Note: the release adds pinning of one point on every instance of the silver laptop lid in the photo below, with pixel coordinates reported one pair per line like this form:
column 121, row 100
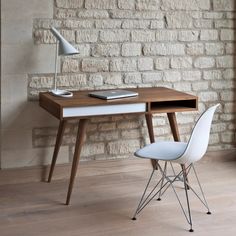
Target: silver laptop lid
column 113, row 94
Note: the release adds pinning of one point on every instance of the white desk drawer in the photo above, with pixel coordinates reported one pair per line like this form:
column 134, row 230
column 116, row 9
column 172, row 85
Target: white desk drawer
column 104, row 110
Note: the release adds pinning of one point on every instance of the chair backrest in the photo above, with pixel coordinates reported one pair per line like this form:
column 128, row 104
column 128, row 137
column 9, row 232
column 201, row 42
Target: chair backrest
column 198, row 142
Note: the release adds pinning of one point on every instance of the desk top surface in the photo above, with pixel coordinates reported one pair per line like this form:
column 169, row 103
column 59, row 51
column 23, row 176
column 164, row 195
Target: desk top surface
column 82, row 98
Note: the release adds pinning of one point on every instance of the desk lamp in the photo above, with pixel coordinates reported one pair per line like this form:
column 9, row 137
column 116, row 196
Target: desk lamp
column 65, row 48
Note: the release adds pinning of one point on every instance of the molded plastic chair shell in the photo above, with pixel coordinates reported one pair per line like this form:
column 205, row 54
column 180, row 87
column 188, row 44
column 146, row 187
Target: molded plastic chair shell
column 180, row 152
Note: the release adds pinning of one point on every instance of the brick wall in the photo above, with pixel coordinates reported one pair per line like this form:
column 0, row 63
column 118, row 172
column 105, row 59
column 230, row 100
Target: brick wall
column 187, row 45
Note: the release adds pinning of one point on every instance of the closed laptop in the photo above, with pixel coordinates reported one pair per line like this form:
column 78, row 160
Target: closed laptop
column 113, row 94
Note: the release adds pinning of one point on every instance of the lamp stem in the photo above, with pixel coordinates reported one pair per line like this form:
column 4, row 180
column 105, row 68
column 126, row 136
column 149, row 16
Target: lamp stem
column 55, row 75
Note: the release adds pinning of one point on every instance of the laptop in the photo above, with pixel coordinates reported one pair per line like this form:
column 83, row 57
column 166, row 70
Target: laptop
column 113, row 94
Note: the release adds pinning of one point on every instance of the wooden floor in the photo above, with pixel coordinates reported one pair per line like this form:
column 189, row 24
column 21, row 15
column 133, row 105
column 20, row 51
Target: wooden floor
column 103, row 206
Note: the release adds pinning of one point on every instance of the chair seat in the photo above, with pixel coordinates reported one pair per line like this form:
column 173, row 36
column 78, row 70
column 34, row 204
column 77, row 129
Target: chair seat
column 166, row 151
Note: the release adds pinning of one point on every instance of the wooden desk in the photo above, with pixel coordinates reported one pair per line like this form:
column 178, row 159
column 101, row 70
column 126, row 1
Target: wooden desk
column 82, row 106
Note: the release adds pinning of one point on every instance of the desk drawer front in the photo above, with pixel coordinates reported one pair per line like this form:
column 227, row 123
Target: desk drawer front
column 103, row 110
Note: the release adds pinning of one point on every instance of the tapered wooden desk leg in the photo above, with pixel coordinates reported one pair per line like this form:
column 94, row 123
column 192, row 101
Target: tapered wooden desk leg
column 60, row 133
column 175, row 133
column 151, row 134
column 174, row 126
column 78, row 147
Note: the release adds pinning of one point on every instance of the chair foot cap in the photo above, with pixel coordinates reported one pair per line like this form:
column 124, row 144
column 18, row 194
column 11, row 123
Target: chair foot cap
column 191, row 230
column 208, row 213
column 158, row 199
column 134, row 218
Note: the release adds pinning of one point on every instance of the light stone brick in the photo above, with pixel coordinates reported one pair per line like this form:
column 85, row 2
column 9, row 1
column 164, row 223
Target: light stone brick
column 212, row 15
column 69, row 35
column 157, row 121
column 212, row 75
column 70, row 65
column 208, row 35
column 229, row 84
column 86, row 36
column 172, row 76
column 145, row 63
column 147, row 4
column 227, row 96
column 179, row 20
column 191, row 75
column 104, row 136
column 230, row 48
column 185, row 5
column 227, row 35
column 143, row 15
column 95, row 80
column 92, row 149
column 185, row 119
column 84, row 50
column 131, row 49
column 214, row 48
column 126, row 5
column 106, row 50
column 43, row 36
column 218, row 127
column 46, row 23
column 195, row 48
column 95, row 65
column 151, row 77
column 112, row 79
column 203, row 23
column 156, row 49
column 162, row 63
column 108, row 24
column 114, row 35
column 182, row 86
column 65, row 13
column 131, row 134
column 204, row 62
column 227, row 117
column 188, row 35
column 69, row 3
column 157, row 24
column 166, row 35
column 128, row 124
column 231, row 15
column 229, row 74
column 123, row 146
column 228, row 137
column 209, row 96
column 107, row 126
column 135, row 24
column 75, row 24
column 133, row 78
column 230, row 107
column 214, row 139
column 40, row 82
column 223, row 5
column 142, row 36
column 123, row 64
column 73, row 81
column 94, row 14
column 225, row 62
column 181, row 62
column 200, row 86
column 100, row 4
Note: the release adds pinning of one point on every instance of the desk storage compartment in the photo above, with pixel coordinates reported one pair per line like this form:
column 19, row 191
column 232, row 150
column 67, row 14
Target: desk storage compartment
column 173, row 106
column 104, row 110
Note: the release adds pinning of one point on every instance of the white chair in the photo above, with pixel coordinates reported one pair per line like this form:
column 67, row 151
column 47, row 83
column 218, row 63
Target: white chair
column 185, row 154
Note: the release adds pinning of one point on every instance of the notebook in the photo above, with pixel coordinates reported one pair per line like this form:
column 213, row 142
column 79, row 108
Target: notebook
column 113, row 94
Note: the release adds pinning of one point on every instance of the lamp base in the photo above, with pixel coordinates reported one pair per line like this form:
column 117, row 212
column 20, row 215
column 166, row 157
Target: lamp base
column 61, row 93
